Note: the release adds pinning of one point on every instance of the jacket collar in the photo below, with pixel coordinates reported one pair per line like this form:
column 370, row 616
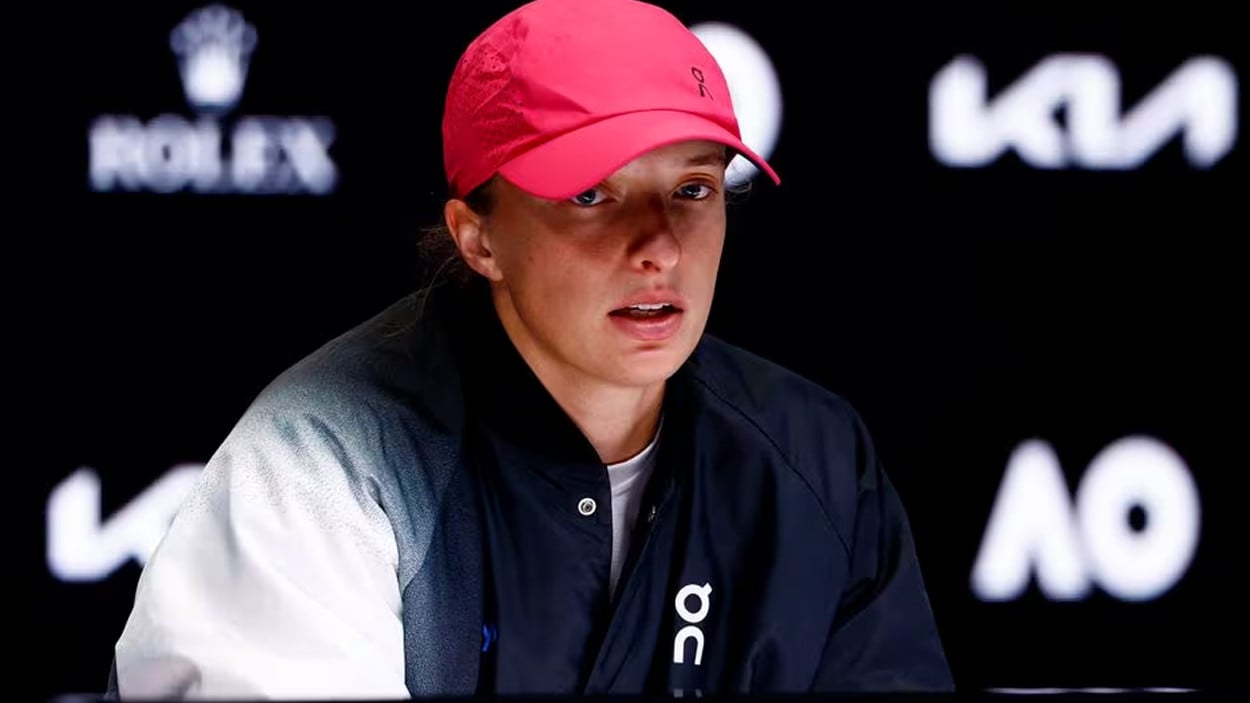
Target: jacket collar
column 502, row 390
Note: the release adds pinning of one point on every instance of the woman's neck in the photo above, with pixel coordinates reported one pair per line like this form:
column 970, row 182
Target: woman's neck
column 619, row 423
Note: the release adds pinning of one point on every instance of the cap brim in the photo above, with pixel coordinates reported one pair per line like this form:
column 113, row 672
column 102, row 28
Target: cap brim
column 577, row 161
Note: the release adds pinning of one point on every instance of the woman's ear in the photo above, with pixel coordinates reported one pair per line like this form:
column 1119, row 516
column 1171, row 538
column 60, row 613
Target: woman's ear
column 472, row 237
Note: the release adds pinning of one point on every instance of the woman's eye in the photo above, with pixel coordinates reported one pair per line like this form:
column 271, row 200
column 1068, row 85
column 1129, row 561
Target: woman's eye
column 695, row 191
column 588, row 198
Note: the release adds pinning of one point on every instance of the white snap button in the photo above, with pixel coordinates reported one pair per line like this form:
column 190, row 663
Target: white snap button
column 586, row 506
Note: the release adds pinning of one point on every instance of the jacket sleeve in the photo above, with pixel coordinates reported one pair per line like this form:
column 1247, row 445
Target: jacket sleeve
column 884, row 637
column 276, row 579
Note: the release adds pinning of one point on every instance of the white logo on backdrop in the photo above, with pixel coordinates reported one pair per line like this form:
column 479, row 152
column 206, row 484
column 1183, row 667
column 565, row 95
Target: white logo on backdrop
column 204, row 153
column 754, row 90
column 1035, row 530
column 1198, row 101
column 214, row 46
column 82, row 547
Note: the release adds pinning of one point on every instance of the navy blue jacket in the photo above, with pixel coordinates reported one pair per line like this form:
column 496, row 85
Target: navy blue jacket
column 779, row 559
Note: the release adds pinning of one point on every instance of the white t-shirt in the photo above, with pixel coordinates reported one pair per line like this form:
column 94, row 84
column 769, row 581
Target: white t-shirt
column 628, row 478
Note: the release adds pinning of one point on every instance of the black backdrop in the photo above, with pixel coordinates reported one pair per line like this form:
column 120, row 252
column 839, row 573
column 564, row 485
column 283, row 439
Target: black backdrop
column 962, row 310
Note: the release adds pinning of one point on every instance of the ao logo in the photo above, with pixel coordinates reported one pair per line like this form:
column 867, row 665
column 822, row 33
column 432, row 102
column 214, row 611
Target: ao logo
column 966, row 129
column 1100, row 540
column 259, row 154
column 753, row 87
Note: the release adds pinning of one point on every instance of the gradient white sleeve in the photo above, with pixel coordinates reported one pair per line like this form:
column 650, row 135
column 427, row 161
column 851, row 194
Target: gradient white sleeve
column 277, row 579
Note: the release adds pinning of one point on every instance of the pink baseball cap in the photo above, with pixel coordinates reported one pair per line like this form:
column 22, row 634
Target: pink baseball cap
column 559, row 94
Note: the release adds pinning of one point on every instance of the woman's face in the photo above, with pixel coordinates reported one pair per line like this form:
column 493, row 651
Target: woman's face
column 613, row 286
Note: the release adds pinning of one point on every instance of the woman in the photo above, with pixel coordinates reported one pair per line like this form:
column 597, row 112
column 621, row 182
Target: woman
column 547, row 479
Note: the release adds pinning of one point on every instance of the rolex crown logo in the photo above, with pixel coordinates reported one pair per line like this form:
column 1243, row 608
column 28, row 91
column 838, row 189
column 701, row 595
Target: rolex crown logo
column 213, row 45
